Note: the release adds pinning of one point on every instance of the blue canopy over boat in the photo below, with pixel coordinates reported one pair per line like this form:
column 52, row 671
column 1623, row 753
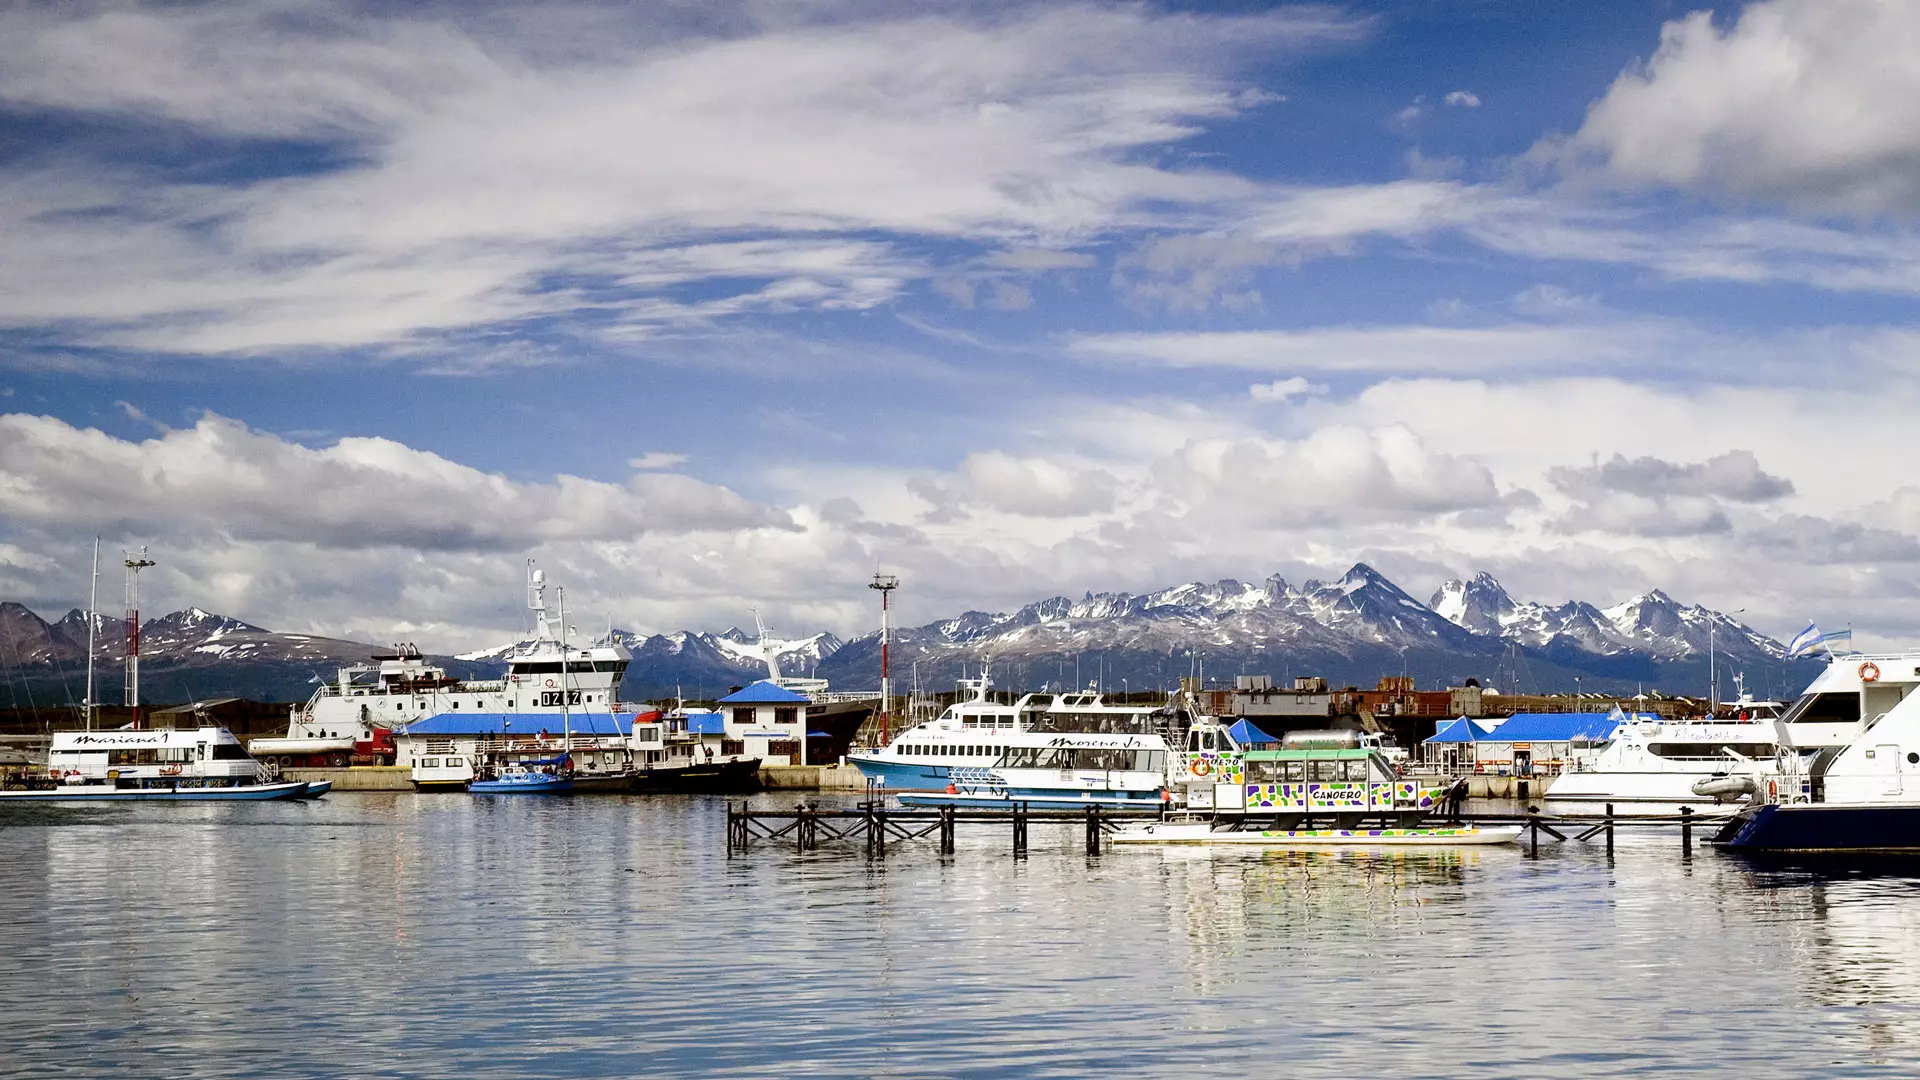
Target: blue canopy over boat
column 1245, row 734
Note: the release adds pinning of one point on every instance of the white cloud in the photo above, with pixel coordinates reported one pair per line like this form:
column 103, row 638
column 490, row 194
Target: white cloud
column 1462, row 99
column 1814, row 103
column 1338, row 474
column 486, row 181
column 358, row 493
column 1283, row 390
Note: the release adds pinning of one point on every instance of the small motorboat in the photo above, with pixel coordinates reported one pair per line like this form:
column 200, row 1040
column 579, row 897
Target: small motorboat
column 521, row 781
column 1204, row 832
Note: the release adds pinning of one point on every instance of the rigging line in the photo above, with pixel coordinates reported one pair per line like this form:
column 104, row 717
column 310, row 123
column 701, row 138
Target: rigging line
column 53, row 653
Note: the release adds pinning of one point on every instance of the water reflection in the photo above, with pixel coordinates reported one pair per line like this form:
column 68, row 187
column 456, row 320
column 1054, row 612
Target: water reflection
column 428, row 935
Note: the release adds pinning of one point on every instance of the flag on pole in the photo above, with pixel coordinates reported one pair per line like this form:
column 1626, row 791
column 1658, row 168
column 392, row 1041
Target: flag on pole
column 1811, row 638
column 1804, row 642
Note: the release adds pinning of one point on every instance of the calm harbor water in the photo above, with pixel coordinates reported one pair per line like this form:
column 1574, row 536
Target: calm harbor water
column 402, row 935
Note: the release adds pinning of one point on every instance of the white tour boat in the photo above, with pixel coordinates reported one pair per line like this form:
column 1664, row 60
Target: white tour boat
column 1071, row 749
column 360, row 713
column 154, row 764
column 1673, row 763
column 1839, row 782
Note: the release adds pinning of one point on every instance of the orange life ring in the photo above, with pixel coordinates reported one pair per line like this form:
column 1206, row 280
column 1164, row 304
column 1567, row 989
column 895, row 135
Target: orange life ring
column 1869, row 672
column 549, row 684
column 1773, row 791
column 1200, row 767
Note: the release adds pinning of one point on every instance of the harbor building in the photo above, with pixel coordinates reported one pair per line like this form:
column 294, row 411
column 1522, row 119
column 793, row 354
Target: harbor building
column 768, row 720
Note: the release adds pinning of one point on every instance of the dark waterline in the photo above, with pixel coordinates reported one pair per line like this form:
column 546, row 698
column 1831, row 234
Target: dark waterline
column 448, row 935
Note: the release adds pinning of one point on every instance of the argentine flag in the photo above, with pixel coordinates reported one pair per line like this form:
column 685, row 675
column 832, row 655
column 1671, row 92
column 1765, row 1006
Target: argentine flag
column 1811, row 638
column 1804, row 642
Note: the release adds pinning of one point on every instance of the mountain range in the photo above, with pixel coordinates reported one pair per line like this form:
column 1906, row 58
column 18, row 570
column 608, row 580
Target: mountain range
column 1351, row 630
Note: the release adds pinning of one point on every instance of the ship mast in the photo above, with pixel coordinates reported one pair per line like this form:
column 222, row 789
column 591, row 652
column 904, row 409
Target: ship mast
column 135, row 561
column 885, row 584
column 93, row 624
column 566, row 713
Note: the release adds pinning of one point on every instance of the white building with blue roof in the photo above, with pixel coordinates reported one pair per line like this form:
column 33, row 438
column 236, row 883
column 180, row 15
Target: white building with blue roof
column 769, row 721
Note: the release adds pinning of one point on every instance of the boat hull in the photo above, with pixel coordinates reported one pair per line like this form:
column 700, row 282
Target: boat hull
column 316, row 788
column 246, row 793
column 439, row 785
column 977, row 800
column 902, row 775
column 707, row 778
column 1667, row 788
column 1204, row 833
column 545, row 786
column 1808, row 827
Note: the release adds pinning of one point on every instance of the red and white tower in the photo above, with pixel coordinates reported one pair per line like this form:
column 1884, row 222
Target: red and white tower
column 136, row 561
column 886, row 583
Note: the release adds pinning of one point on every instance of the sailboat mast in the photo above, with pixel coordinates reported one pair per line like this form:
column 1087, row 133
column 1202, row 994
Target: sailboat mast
column 566, row 665
column 93, row 624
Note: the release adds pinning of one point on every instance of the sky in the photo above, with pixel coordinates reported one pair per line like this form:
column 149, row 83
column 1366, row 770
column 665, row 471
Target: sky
column 348, row 310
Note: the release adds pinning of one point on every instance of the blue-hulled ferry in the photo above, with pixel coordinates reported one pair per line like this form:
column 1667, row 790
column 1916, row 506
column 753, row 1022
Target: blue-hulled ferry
column 1846, row 777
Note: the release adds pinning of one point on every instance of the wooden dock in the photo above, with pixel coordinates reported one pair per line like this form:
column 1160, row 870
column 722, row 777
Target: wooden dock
column 877, row 826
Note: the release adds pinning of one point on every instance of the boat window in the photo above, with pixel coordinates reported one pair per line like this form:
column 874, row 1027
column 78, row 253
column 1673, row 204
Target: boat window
column 230, row 752
column 1708, row 749
column 430, row 763
column 454, row 762
column 1325, row 771
column 1835, row 708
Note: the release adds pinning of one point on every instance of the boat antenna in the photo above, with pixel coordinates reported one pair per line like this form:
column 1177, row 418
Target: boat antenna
column 135, row 561
column 885, row 584
column 93, row 626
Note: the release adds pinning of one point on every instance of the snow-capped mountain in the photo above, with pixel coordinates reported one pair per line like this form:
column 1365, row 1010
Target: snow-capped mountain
column 1652, row 624
column 1351, row 630
column 191, row 654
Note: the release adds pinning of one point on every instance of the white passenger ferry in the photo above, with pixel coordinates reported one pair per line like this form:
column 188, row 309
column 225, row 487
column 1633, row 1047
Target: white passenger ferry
column 1044, row 750
column 1672, row 763
column 1840, row 780
column 358, row 714
column 154, row 764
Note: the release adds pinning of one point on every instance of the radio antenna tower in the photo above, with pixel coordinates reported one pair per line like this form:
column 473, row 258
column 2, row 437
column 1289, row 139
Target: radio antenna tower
column 136, row 561
column 886, row 583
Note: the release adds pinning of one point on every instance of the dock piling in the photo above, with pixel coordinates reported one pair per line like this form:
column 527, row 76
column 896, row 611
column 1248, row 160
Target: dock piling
column 946, row 830
column 1609, row 830
column 1020, row 830
column 1686, row 832
column 1093, row 829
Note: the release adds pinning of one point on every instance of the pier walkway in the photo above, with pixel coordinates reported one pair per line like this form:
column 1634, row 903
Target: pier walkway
column 877, row 826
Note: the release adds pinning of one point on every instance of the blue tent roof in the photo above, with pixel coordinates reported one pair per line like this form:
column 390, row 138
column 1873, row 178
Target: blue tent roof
column 1459, row 730
column 1555, row 727
column 706, row 723
column 1246, row 734
column 764, row 692
column 484, row 723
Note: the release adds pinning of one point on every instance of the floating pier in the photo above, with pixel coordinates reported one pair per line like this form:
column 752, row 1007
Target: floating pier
column 876, row 826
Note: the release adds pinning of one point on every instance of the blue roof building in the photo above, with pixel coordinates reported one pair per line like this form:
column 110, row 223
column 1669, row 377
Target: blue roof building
column 768, row 719
column 764, row 692
column 1459, row 730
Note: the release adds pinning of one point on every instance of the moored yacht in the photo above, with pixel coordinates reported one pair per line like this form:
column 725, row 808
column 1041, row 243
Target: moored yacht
column 978, row 736
column 357, row 716
column 1847, row 774
column 154, row 764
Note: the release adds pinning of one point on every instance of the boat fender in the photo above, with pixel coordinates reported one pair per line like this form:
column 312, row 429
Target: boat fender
column 951, row 790
column 1869, row 672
